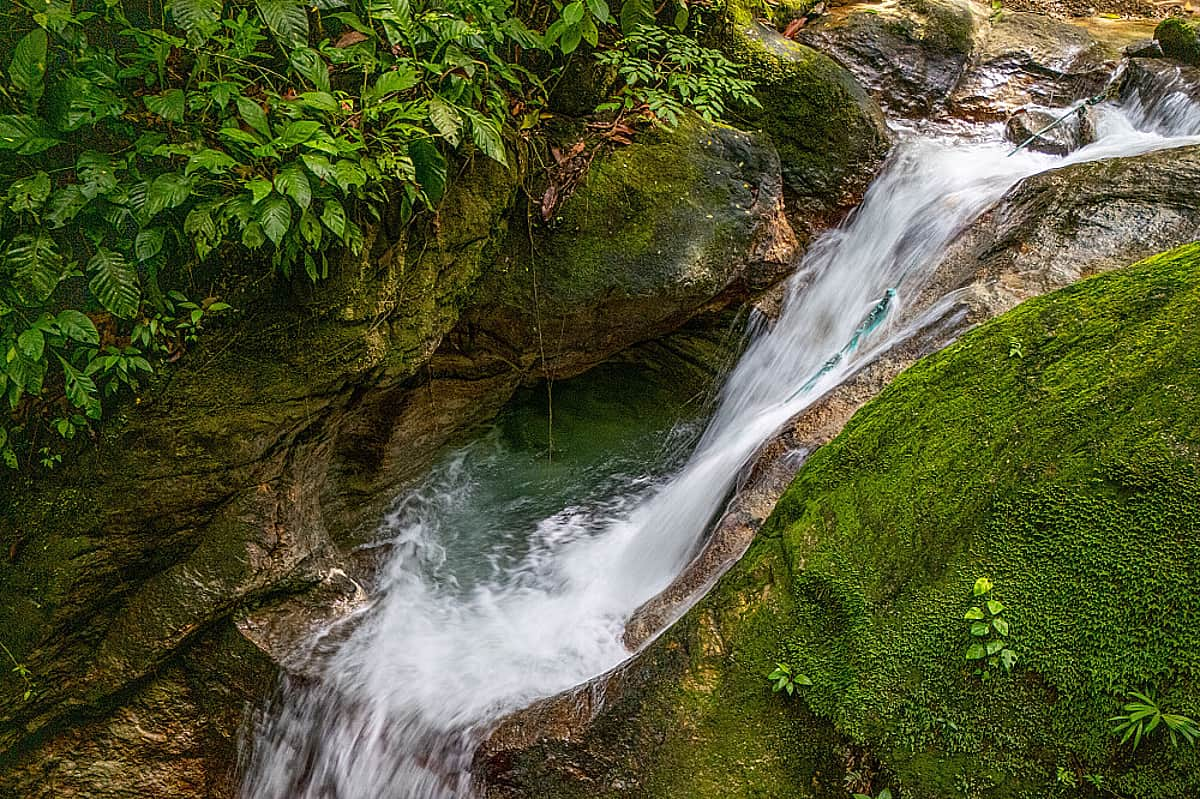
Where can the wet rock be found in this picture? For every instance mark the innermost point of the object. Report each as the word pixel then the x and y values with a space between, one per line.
pixel 1167 88
pixel 1024 59
pixel 1144 48
pixel 1179 38
pixel 908 54
pixel 1063 136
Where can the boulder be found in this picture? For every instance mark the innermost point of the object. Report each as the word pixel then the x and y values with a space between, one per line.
pixel 1160 84
pixel 1023 58
pixel 831 136
pixel 908 54
pixel 1054 134
pixel 1179 38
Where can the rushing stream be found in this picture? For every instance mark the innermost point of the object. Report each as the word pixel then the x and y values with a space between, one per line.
pixel 510 577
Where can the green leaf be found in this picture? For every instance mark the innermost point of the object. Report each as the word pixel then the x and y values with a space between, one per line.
pixel 1001 625
pixel 486 135
pixel 994 607
pixel 98 171
pixel 320 167
pixel 168 190
pixel 253 115
pixel 77 326
pixel 26 135
pixel 29 194
pixel 571 37
pixel 309 64
pixel 446 119
pixel 297 133
pixel 590 34
pixel 349 175
pixel 32 344
pixel 974 614
pixel 149 243
pixel 599 9
pixel 196 15
pixel 169 105
pixel 114 283
pixel 681 19
pixel 213 161
pixel 27 70
pixel 430 166
pixel 573 13
pixel 976 652
pixel 63 206
pixel 287 19
pixel 275 218
pixel 397 80
pixel 37 265
pixel 994 646
pixel 259 189
pixel 292 182
pixel 980 628
pixel 320 101
pixel 1007 659
pixel 981 587
pixel 635 13
pixel 333 216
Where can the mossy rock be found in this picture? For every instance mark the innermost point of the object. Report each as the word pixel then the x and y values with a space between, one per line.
pixel 679 221
pixel 1055 450
pixel 1179 38
pixel 830 134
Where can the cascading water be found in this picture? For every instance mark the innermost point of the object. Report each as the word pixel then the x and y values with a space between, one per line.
pixel 480 611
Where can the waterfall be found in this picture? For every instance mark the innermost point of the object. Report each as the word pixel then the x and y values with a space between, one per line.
pixel 447 647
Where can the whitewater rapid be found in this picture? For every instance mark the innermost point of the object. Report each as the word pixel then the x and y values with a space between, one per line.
pixel 464 628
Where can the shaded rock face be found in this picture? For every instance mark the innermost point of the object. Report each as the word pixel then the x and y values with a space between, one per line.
pixel 1167 87
pixel 630 732
pixel 220 511
pixel 1045 131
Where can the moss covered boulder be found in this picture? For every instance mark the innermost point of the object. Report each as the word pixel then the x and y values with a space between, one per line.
pixel 830 134
pixel 1179 38
pixel 1055 450
pixel 679 223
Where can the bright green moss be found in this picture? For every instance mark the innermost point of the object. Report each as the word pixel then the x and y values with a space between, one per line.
pixel 1068 475
pixel 1180 39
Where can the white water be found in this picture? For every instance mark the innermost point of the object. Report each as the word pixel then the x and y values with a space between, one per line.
pixel 447 646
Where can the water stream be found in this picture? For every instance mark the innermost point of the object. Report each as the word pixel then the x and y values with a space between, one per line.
pixel 510 578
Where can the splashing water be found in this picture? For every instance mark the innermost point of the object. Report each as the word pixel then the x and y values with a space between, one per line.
pixel 478 613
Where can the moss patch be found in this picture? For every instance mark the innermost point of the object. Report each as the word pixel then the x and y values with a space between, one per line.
pixel 1057 451
pixel 1180 39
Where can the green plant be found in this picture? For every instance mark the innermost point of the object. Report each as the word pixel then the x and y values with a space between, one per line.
pixel 137 139
pixel 989 632
pixel 665 73
pixel 1066 777
pixel 785 678
pixel 1143 716
pixel 25 675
